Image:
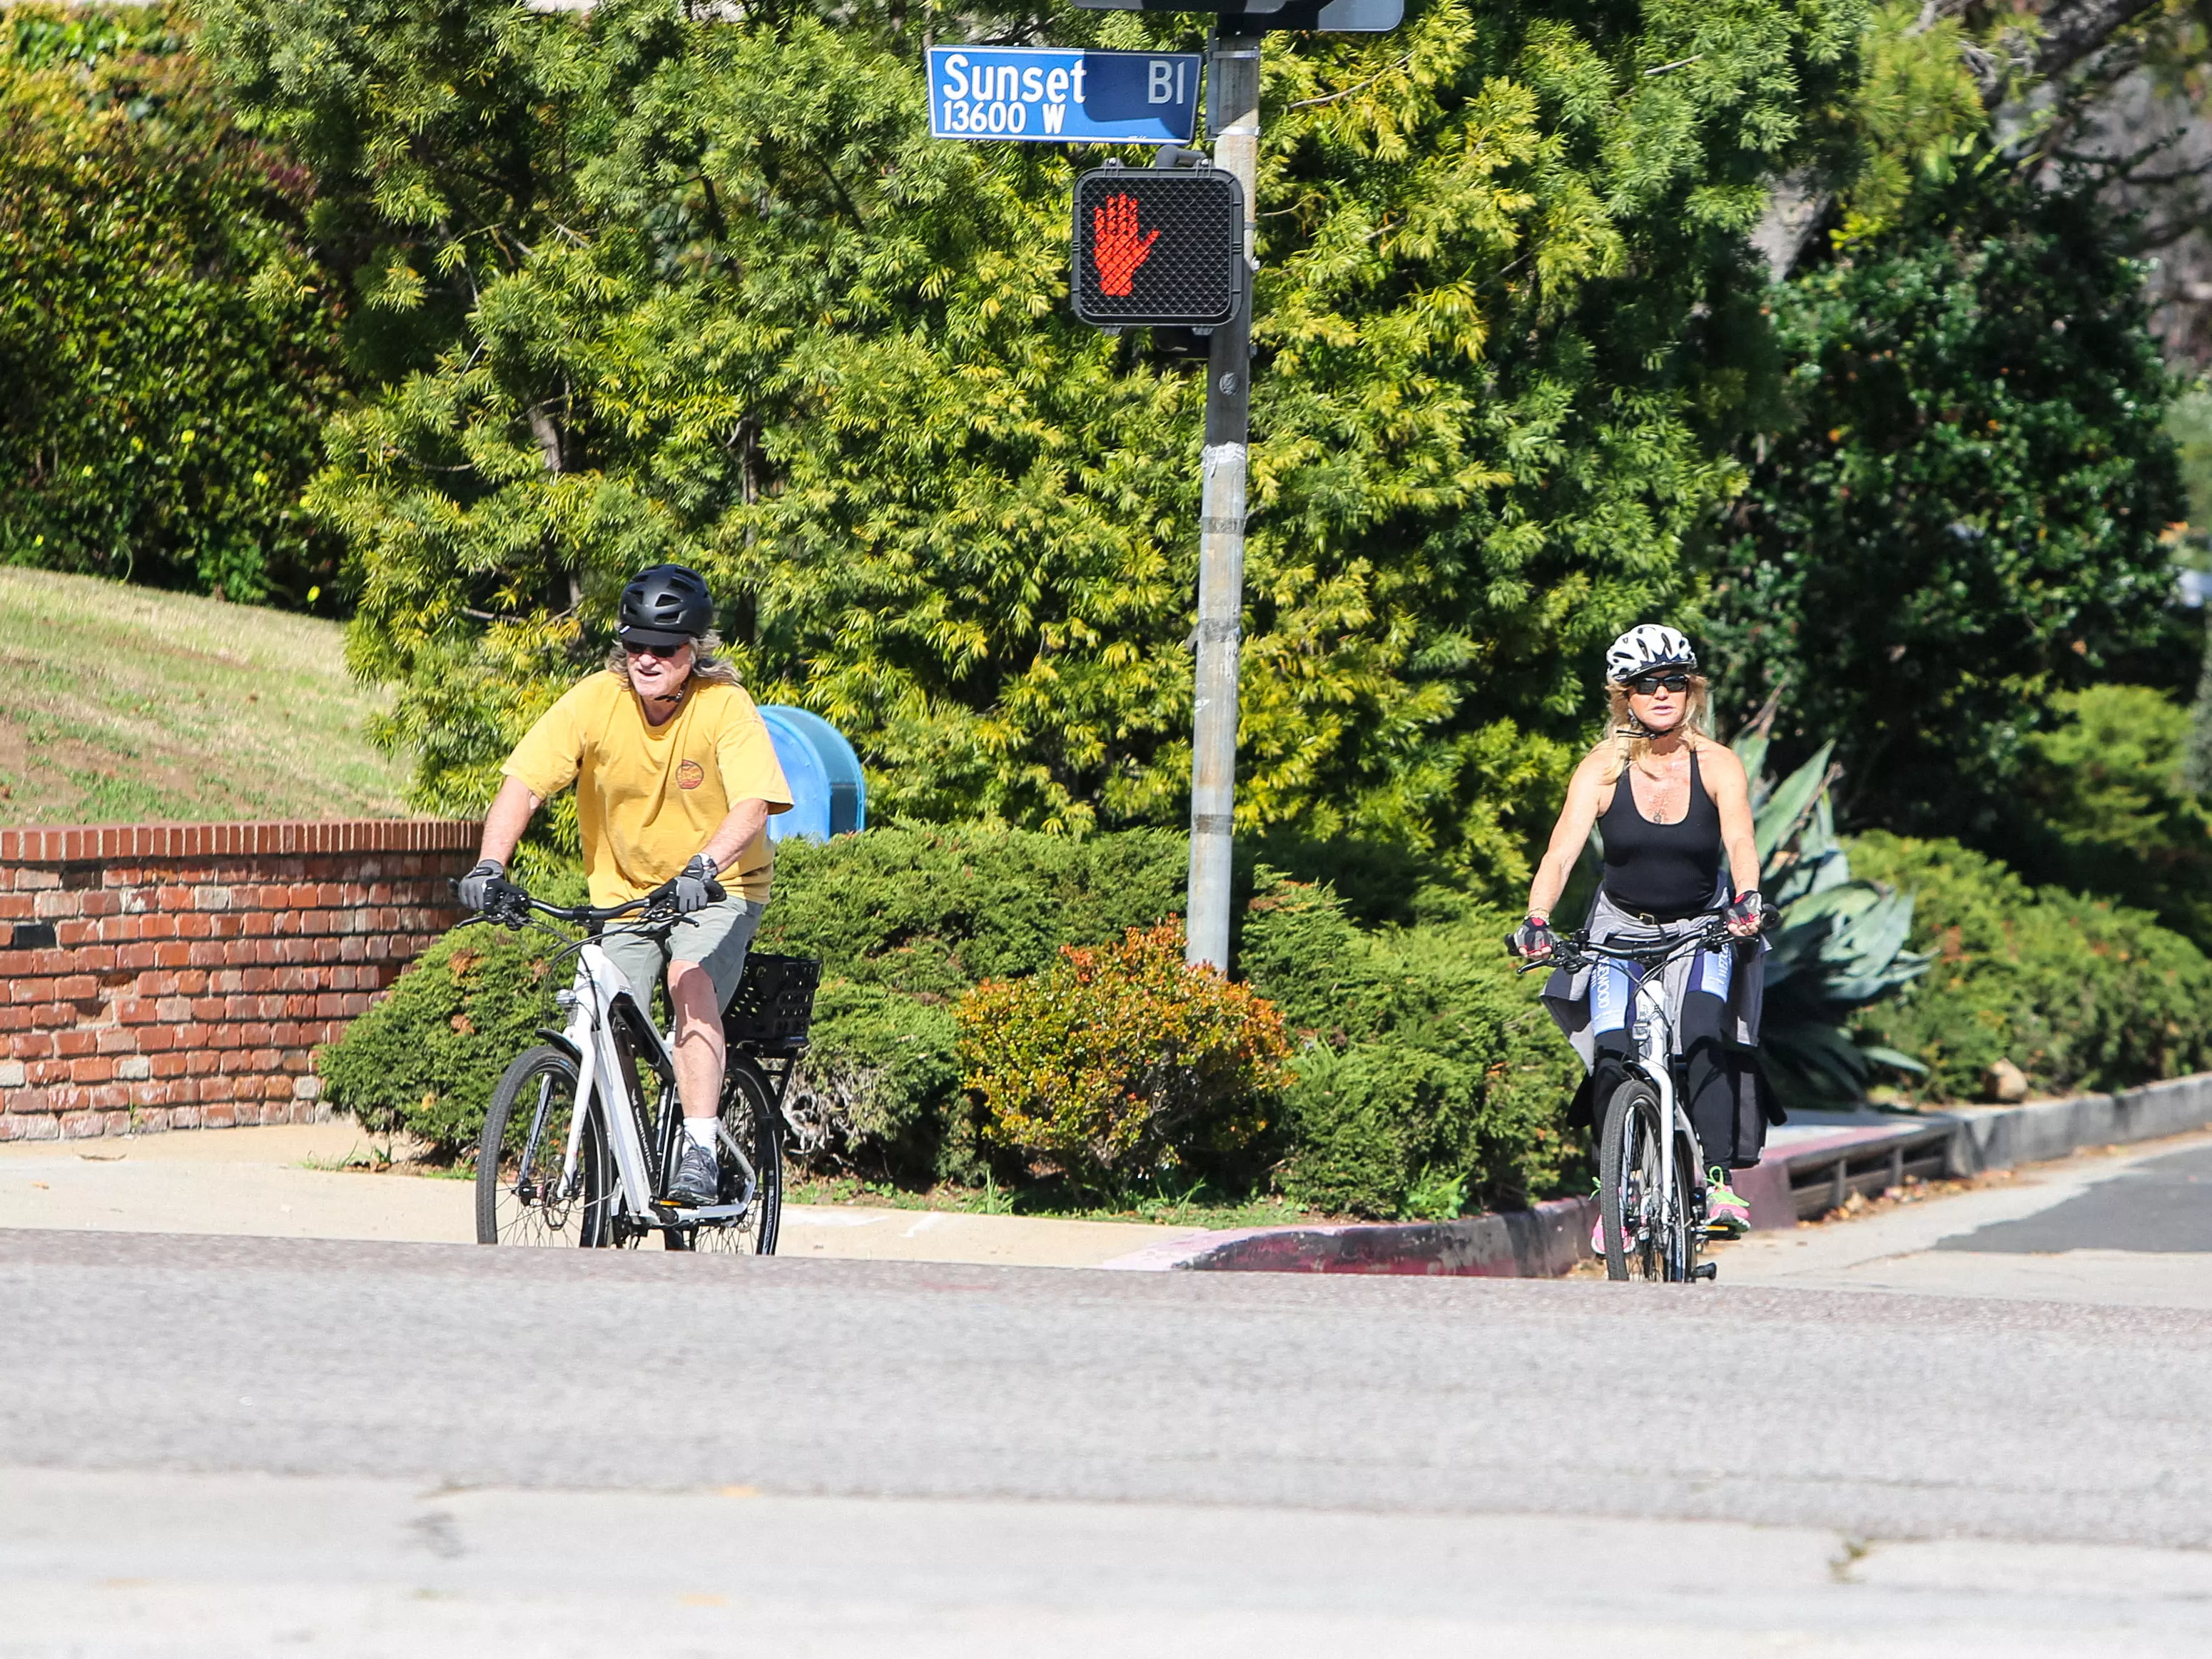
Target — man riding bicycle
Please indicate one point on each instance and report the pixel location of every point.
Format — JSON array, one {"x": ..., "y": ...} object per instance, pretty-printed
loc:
[
  {"x": 1673, "y": 807},
  {"x": 676, "y": 779}
]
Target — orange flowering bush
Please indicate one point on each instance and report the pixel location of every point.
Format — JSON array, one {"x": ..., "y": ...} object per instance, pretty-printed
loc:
[{"x": 1119, "y": 1061}]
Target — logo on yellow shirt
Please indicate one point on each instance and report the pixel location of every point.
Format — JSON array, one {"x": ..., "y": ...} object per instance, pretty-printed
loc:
[{"x": 690, "y": 774}]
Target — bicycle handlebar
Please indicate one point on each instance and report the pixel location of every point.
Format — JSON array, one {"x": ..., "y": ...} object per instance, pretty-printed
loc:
[
  {"x": 1578, "y": 949},
  {"x": 512, "y": 908}
]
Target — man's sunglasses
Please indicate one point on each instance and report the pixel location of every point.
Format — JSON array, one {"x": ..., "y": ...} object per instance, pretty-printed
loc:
[{"x": 1647, "y": 686}]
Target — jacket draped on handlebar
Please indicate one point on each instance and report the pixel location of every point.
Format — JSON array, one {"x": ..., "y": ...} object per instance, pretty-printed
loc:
[{"x": 1567, "y": 998}]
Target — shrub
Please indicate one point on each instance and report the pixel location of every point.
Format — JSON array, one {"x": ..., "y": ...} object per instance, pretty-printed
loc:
[
  {"x": 1121, "y": 1061},
  {"x": 2106, "y": 809},
  {"x": 874, "y": 1094},
  {"x": 1430, "y": 1080},
  {"x": 932, "y": 912},
  {"x": 425, "y": 1059},
  {"x": 905, "y": 921},
  {"x": 2077, "y": 993}
]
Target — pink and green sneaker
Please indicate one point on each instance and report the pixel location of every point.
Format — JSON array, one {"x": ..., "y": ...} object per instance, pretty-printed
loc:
[{"x": 1726, "y": 1213}]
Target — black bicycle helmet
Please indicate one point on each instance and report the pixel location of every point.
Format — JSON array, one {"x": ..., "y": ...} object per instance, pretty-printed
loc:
[{"x": 666, "y": 606}]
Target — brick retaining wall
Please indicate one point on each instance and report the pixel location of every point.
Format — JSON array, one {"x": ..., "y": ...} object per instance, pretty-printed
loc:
[{"x": 178, "y": 976}]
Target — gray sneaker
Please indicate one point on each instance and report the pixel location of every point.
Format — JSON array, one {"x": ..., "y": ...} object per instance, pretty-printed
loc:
[{"x": 698, "y": 1178}]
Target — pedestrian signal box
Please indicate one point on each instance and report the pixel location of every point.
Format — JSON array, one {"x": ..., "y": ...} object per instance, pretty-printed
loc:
[{"x": 1155, "y": 248}]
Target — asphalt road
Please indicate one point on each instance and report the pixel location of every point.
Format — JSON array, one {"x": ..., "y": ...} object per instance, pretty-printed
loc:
[
  {"x": 2161, "y": 1206},
  {"x": 208, "y": 1435},
  {"x": 2108, "y": 1228}
]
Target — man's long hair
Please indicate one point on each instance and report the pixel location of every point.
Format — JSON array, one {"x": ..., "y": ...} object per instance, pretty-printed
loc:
[
  {"x": 1627, "y": 744},
  {"x": 708, "y": 662}
]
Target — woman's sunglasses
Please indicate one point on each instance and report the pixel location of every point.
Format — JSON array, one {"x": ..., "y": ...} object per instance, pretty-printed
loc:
[{"x": 1647, "y": 686}]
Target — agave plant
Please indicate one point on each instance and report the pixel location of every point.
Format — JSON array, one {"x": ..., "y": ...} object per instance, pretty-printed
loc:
[{"x": 1841, "y": 944}]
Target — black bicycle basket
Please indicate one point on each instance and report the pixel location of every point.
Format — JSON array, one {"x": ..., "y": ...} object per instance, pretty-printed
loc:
[{"x": 775, "y": 1003}]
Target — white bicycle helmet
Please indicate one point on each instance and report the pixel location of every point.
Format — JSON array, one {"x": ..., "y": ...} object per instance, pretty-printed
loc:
[{"x": 1643, "y": 648}]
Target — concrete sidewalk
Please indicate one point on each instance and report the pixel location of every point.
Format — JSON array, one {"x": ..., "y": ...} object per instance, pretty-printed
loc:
[
  {"x": 1931, "y": 1247},
  {"x": 256, "y": 1182}
]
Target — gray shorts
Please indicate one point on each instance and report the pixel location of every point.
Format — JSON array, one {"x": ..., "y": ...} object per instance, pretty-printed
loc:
[{"x": 716, "y": 938}]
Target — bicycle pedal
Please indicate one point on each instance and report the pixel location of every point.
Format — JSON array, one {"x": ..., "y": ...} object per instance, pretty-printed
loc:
[{"x": 1706, "y": 1270}]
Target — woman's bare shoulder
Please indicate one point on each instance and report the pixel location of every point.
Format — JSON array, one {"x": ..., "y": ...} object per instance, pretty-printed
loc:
[
  {"x": 1717, "y": 756},
  {"x": 1593, "y": 765}
]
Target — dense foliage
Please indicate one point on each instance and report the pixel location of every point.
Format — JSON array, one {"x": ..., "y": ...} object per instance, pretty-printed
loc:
[
  {"x": 424, "y": 1059},
  {"x": 2103, "y": 806},
  {"x": 2077, "y": 993},
  {"x": 1840, "y": 944},
  {"x": 1965, "y": 517},
  {"x": 167, "y": 357},
  {"x": 708, "y": 289},
  {"x": 1119, "y": 1060},
  {"x": 905, "y": 921},
  {"x": 1430, "y": 1080}
]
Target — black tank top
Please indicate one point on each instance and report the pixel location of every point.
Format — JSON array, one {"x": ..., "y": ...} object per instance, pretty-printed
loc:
[{"x": 1663, "y": 870}]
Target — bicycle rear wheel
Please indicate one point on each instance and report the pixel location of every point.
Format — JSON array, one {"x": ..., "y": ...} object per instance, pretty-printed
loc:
[
  {"x": 525, "y": 1194},
  {"x": 751, "y": 1141},
  {"x": 1629, "y": 1197}
]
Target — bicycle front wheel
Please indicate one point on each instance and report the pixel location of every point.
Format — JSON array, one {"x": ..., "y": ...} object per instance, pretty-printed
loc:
[
  {"x": 751, "y": 1141},
  {"x": 525, "y": 1193},
  {"x": 1629, "y": 1199}
]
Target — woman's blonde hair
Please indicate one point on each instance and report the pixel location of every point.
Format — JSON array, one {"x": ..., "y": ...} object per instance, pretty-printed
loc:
[
  {"x": 708, "y": 662},
  {"x": 1626, "y": 743}
]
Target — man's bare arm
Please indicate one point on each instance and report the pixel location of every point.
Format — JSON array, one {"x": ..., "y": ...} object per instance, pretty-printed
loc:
[
  {"x": 508, "y": 817},
  {"x": 735, "y": 833}
]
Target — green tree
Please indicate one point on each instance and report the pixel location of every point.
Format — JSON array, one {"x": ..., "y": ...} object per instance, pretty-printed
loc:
[
  {"x": 168, "y": 352},
  {"x": 649, "y": 286},
  {"x": 1962, "y": 518}
]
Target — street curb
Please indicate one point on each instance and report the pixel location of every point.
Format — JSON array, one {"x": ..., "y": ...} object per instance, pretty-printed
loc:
[
  {"x": 1999, "y": 1137},
  {"x": 1808, "y": 1178},
  {"x": 1547, "y": 1240},
  {"x": 1541, "y": 1241}
]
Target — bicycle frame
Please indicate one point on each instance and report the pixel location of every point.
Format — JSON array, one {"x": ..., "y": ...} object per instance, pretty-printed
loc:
[
  {"x": 1651, "y": 1028},
  {"x": 590, "y": 1033}
]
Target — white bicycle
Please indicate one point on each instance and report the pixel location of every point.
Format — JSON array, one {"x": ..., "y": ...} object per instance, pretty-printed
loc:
[
  {"x": 1651, "y": 1182},
  {"x": 579, "y": 1147}
]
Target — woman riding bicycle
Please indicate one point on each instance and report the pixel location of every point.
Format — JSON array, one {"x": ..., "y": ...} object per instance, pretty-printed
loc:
[{"x": 1673, "y": 811}]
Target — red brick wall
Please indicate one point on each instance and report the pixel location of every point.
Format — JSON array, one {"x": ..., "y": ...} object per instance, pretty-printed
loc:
[{"x": 179, "y": 976}]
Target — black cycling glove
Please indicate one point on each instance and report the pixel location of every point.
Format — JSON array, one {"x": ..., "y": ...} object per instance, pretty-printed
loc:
[
  {"x": 695, "y": 889},
  {"x": 486, "y": 885},
  {"x": 1534, "y": 938},
  {"x": 1745, "y": 908}
]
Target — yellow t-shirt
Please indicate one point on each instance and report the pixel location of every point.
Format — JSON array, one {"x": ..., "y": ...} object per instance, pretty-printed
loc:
[{"x": 647, "y": 797}]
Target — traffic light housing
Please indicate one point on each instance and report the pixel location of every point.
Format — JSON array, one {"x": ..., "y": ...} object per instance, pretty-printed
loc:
[{"x": 1158, "y": 248}]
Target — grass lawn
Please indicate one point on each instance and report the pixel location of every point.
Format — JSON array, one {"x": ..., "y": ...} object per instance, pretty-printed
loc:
[{"x": 128, "y": 705}]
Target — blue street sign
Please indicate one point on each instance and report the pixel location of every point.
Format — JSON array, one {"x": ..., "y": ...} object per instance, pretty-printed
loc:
[{"x": 1048, "y": 95}]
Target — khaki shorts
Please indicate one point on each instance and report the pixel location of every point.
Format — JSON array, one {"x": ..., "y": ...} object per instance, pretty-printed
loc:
[{"x": 716, "y": 938}]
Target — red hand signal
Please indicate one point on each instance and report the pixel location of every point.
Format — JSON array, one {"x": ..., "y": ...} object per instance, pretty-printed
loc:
[{"x": 1116, "y": 247}]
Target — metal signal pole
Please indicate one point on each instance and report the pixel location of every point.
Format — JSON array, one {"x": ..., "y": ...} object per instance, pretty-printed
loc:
[{"x": 1232, "y": 97}]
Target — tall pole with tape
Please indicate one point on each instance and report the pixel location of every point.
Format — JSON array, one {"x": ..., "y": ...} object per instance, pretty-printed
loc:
[
  {"x": 1124, "y": 276},
  {"x": 1233, "y": 114}
]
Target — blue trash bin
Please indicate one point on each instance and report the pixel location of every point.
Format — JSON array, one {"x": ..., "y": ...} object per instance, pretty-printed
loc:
[{"x": 828, "y": 794}]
